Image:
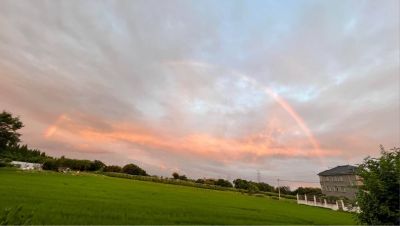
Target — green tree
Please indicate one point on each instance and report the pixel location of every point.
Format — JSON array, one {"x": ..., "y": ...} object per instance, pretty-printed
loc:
[
  {"x": 133, "y": 169},
  {"x": 307, "y": 191},
  {"x": 175, "y": 175},
  {"x": 50, "y": 164},
  {"x": 96, "y": 165},
  {"x": 183, "y": 177},
  {"x": 241, "y": 184},
  {"x": 8, "y": 130},
  {"x": 253, "y": 188},
  {"x": 265, "y": 187},
  {"x": 223, "y": 183},
  {"x": 116, "y": 169},
  {"x": 378, "y": 197},
  {"x": 200, "y": 181}
]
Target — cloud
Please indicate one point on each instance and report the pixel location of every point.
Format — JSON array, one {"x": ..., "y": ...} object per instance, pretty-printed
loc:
[{"x": 206, "y": 88}]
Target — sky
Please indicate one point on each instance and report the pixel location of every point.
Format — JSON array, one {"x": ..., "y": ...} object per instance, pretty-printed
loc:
[{"x": 220, "y": 89}]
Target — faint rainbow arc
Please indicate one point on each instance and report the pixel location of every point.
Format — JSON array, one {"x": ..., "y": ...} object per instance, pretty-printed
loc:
[{"x": 281, "y": 101}]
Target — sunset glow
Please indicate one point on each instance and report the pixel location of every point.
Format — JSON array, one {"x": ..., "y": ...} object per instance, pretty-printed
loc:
[{"x": 218, "y": 89}]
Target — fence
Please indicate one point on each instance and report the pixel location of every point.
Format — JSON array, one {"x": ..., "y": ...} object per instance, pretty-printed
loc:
[{"x": 320, "y": 202}]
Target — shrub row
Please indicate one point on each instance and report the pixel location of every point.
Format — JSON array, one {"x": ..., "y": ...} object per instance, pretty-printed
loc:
[{"x": 188, "y": 183}]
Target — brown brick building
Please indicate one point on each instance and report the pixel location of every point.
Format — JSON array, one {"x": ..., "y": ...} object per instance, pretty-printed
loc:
[{"x": 340, "y": 181}]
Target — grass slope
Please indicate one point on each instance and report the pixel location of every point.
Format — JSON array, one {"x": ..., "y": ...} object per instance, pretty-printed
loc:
[{"x": 95, "y": 199}]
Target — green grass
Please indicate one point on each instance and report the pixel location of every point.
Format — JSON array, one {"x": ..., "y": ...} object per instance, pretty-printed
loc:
[{"x": 56, "y": 198}]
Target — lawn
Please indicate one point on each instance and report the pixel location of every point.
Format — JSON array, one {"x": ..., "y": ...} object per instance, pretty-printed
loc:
[{"x": 55, "y": 198}]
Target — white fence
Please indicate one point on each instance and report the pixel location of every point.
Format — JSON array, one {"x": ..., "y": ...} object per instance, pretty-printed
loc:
[{"x": 338, "y": 205}]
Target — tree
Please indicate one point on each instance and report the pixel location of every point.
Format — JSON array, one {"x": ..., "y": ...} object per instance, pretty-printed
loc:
[
  {"x": 200, "y": 181},
  {"x": 223, "y": 183},
  {"x": 116, "y": 169},
  {"x": 50, "y": 164},
  {"x": 96, "y": 165},
  {"x": 253, "y": 188},
  {"x": 175, "y": 175},
  {"x": 265, "y": 187},
  {"x": 8, "y": 130},
  {"x": 241, "y": 184},
  {"x": 133, "y": 169},
  {"x": 283, "y": 189},
  {"x": 307, "y": 191},
  {"x": 378, "y": 197},
  {"x": 183, "y": 177}
]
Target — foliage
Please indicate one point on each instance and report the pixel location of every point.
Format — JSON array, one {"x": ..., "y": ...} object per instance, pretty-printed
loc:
[
  {"x": 253, "y": 186},
  {"x": 307, "y": 191},
  {"x": 133, "y": 169},
  {"x": 284, "y": 190},
  {"x": 112, "y": 168},
  {"x": 8, "y": 130},
  {"x": 200, "y": 181},
  {"x": 96, "y": 165},
  {"x": 73, "y": 164},
  {"x": 50, "y": 164},
  {"x": 223, "y": 183},
  {"x": 24, "y": 154},
  {"x": 265, "y": 187},
  {"x": 10, "y": 150},
  {"x": 5, "y": 163},
  {"x": 241, "y": 184},
  {"x": 175, "y": 175},
  {"x": 378, "y": 197}
]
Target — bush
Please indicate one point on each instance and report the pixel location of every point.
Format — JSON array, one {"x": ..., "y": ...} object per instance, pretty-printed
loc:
[
  {"x": 378, "y": 198},
  {"x": 50, "y": 164},
  {"x": 116, "y": 169},
  {"x": 223, "y": 183},
  {"x": 133, "y": 169},
  {"x": 175, "y": 175},
  {"x": 96, "y": 165},
  {"x": 252, "y": 188},
  {"x": 24, "y": 154}
]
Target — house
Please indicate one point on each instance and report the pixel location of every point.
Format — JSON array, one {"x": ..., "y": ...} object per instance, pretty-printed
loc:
[
  {"x": 340, "y": 181},
  {"x": 27, "y": 165}
]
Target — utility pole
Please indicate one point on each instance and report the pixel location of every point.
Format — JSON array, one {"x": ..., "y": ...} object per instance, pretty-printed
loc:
[
  {"x": 258, "y": 176},
  {"x": 279, "y": 190}
]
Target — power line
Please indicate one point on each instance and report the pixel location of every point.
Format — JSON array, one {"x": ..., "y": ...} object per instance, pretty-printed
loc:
[{"x": 300, "y": 181}]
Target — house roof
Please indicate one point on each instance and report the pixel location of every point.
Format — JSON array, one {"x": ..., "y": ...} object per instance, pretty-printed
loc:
[{"x": 339, "y": 170}]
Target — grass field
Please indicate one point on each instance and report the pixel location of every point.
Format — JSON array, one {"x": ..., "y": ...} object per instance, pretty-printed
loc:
[{"x": 56, "y": 198}]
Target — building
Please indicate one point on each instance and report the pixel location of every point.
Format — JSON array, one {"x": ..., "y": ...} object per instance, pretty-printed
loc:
[
  {"x": 340, "y": 181},
  {"x": 27, "y": 165}
]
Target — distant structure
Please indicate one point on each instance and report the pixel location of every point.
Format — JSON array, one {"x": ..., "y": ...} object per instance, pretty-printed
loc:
[
  {"x": 27, "y": 165},
  {"x": 340, "y": 181}
]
